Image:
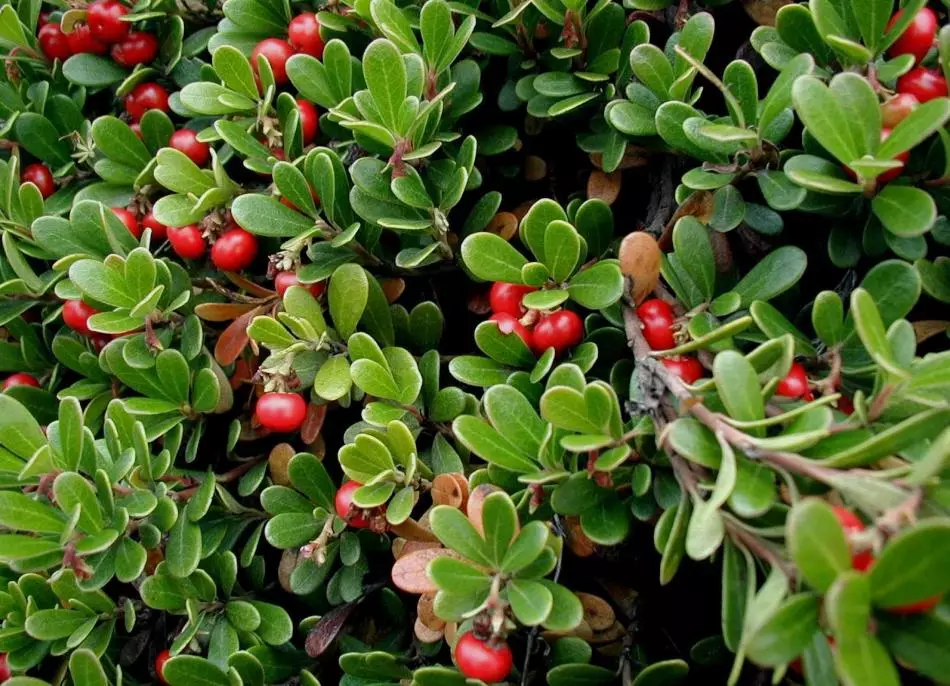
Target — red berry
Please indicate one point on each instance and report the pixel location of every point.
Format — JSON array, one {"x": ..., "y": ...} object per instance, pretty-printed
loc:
[
  {"x": 186, "y": 141},
  {"x": 129, "y": 219},
  {"x": 924, "y": 84},
  {"x": 686, "y": 367},
  {"x": 895, "y": 110},
  {"x": 505, "y": 298},
  {"x": 560, "y": 330},
  {"x": 145, "y": 97},
  {"x": 276, "y": 52},
  {"x": 285, "y": 280},
  {"x": 508, "y": 325},
  {"x": 105, "y": 20},
  {"x": 795, "y": 383},
  {"x": 41, "y": 177},
  {"x": 54, "y": 43},
  {"x": 309, "y": 120},
  {"x": 343, "y": 503},
  {"x": 282, "y": 412},
  {"x": 81, "y": 40},
  {"x": 656, "y": 320},
  {"x": 304, "y": 34},
  {"x": 20, "y": 379},
  {"x": 846, "y": 405},
  {"x": 136, "y": 48},
  {"x": 43, "y": 19},
  {"x": 5, "y": 672},
  {"x": 479, "y": 659},
  {"x": 76, "y": 315},
  {"x": 234, "y": 250},
  {"x": 917, "y": 608},
  {"x": 863, "y": 559},
  {"x": 159, "y": 231},
  {"x": 918, "y": 37},
  {"x": 187, "y": 241},
  {"x": 160, "y": 661}
]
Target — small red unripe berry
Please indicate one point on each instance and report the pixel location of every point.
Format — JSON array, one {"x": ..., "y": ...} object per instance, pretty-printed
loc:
[{"x": 895, "y": 110}]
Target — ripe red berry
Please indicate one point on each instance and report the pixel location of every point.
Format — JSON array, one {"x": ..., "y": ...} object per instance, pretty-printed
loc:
[
  {"x": 5, "y": 672},
  {"x": 505, "y": 298},
  {"x": 863, "y": 559},
  {"x": 686, "y": 367},
  {"x": 285, "y": 280},
  {"x": 478, "y": 659},
  {"x": 129, "y": 219},
  {"x": 895, "y": 110},
  {"x": 918, "y": 37},
  {"x": 159, "y": 231},
  {"x": 20, "y": 379},
  {"x": 105, "y": 20},
  {"x": 160, "y": 661},
  {"x": 54, "y": 43},
  {"x": 276, "y": 52},
  {"x": 136, "y": 48},
  {"x": 656, "y": 320},
  {"x": 41, "y": 177},
  {"x": 917, "y": 608},
  {"x": 81, "y": 40},
  {"x": 509, "y": 325},
  {"x": 187, "y": 241},
  {"x": 145, "y": 97},
  {"x": 234, "y": 250},
  {"x": 343, "y": 503},
  {"x": 186, "y": 141},
  {"x": 304, "y": 34},
  {"x": 281, "y": 412},
  {"x": 560, "y": 330},
  {"x": 76, "y": 315},
  {"x": 309, "y": 120},
  {"x": 795, "y": 384},
  {"x": 924, "y": 84}
]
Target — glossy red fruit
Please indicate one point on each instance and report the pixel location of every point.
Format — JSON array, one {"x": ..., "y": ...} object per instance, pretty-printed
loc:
[
  {"x": 145, "y": 97},
  {"x": 105, "y": 20},
  {"x": 892, "y": 174},
  {"x": 20, "y": 379},
  {"x": 304, "y": 34},
  {"x": 686, "y": 367},
  {"x": 309, "y": 120},
  {"x": 54, "y": 43},
  {"x": 285, "y": 280},
  {"x": 477, "y": 659},
  {"x": 795, "y": 384},
  {"x": 76, "y": 315},
  {"x": 81, "y": 40},
  {"x": 509, "y": 325},
  {"x": 924, "y": 84},
  {"x": 916, "y": 608},
  {"x": 41, "y": 177},
  {"x": 136, "y": 48},
  {"x": 560, "y": 330},
  {"x": 186, "y": 141},
  {"x": 852, "y": 524},
  {"x": 917, "y": 38},
  {"x": 187, "y": 241},
  {"x": 505, "y": 298},
  {"x": 160, "y": 661},
  {"x": 276, "y": 52},
  {"x": 343, "y": 503},
  {"x": 656, "y": 320},
  {"x": 281, "y": 412},
  {"x": 129, "y": 219},
  {"x": 234, "y": 250},
  {"x": 5, "y": 672},
  {"x": 159, "y": 230},
  {"x": 895, "y": 110}
]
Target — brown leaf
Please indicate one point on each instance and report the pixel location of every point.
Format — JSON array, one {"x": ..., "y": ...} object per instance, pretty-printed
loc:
[
  {"x": 312, "y": 423},
  {"x": 577, "y": 540},
  {"x": 763, "y": 12},
  {"x": 521, "y": 210},
  {"x": 611, "y": 633},
  {"x": 427, "y": 614},
  {"x": 640, "y": 259},
  {"x": 604, "y": 186},
  {"x": 233, "y": 339},
  {"x": 929, "y": 327},
  {"x": 475, "y": 502},
  {"x": 503, "y": 224},
  {"x": 409, "y": 571},
  {"x": 278, "y": 463},
  {"x": 286, "y": 567},
  {"x": 699, "y": 204},
  {"x": 425, "y": 634},
  {"x": 325, "y": 631},
  {"x": 411, "y": 530},
  {"x": 446, "y": 491},
  {"x": 222, "y": 312},
  {"x": 449, "y": 631},
  {"x": 249, "y": 286},
  {"x": 635, "y": 156},
  {"x": 722, "y": 251},
  {"x": 597, "y": 612},
  {"x": 402, "y": 547},
  {"x": 535, "y": 168},
  {"x": 392, "y": 288}
]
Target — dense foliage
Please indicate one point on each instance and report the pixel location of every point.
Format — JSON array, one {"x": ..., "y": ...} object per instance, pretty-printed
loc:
[{"x": 441, "y": 342}]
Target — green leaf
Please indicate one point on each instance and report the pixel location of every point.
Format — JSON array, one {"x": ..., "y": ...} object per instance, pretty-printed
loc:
[
  {"x": 817, "y": 543},
  {"x": 694, "y": 250},
  {"x": 191, "y": 670},
  {"x": 266, "y": 216},
  {"x": 19, "y": 512},
  {"x": 870, "y": 328},
  {"x": 894, "y": 582},
  {"x": 481, "y": 438},
  {"x": 85, "y": 669},
  {"x": 531, "y": 601},
  {"x": 904, "y": 210},
  {"x": 347, "y": 294},
  {"x": 71, "y": 490},
  {"x": 562, "y": 249},
  {"x": 183, "y": 550},
  {"x": 773, "y": 275},
  {"x": 385, "y": 74},
  {"x": 784, "y": 635},
  {"x": 49, "y": 625},
  {"x": 738, "y": 386},
  {"x": 821, "y": 112},
  {"x": 20, "y": 433},
  {"x": 597, "y": 287},
  {"x": 492, "y": 258},
  {"x": 456, "y": 532}
]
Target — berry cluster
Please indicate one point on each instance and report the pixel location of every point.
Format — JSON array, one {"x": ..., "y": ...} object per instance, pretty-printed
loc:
[
  {"x": 560, "y": 330},
  {"x": 659, "y": 329},
  {"x": 104, "y": 31}
]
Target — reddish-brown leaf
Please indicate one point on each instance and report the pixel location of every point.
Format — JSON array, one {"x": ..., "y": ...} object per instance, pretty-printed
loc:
[
  {"x": 313, "y": 422},
  {"x": 234, "y": 338},
  {"x": 222, "y": 312},
  {"x": 409, "y": 571},
  {"x": 640, "y": 259},
  {"x": 604, "y": 186},
  {"x": 249, "y": 286}
]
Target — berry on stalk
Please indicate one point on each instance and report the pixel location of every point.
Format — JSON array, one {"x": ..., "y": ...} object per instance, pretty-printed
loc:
[
  {"x": 656, "y": 320},
  {"x": 76, "y": 315},
  {"x": 105, "y": 20},
  {"x": 505, "y": 298},
  {"x": 159, "y": 230},
  {"x": 304, "y": 34},
  {"x": 129, "y": 219},
  {"x": 276, "y": 52},
  {"x": 145, "y": 97},
  {"x": 280, "y": 412},
  {"x": 343, "y": 503},
  {"x": 136, "y": 48},
  {"x": 686, "y": 367},
  {"x": 852, "y": 524},
  {"x": 81, "y": 40},
  {"x": 54, "y": 43},
  {"x": 160, "y": 661},
  {"x": 187, "y": 241},
  {"x": 285, "y": 280},
  {"x": 186, "y": 141},
  {"x": 20, "y": 379},
  {"x": 795, "y": 383},
  {"x": 41, "y": 177},
  {"x": 234, "y": 250},
  {"x": 560, "y": 330},
  {"x": 309, "y": 120},
  {"x": 918, "y": 37},
  {"x": 923, "y": 83},
  {"x": 478, "y": 659}
]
